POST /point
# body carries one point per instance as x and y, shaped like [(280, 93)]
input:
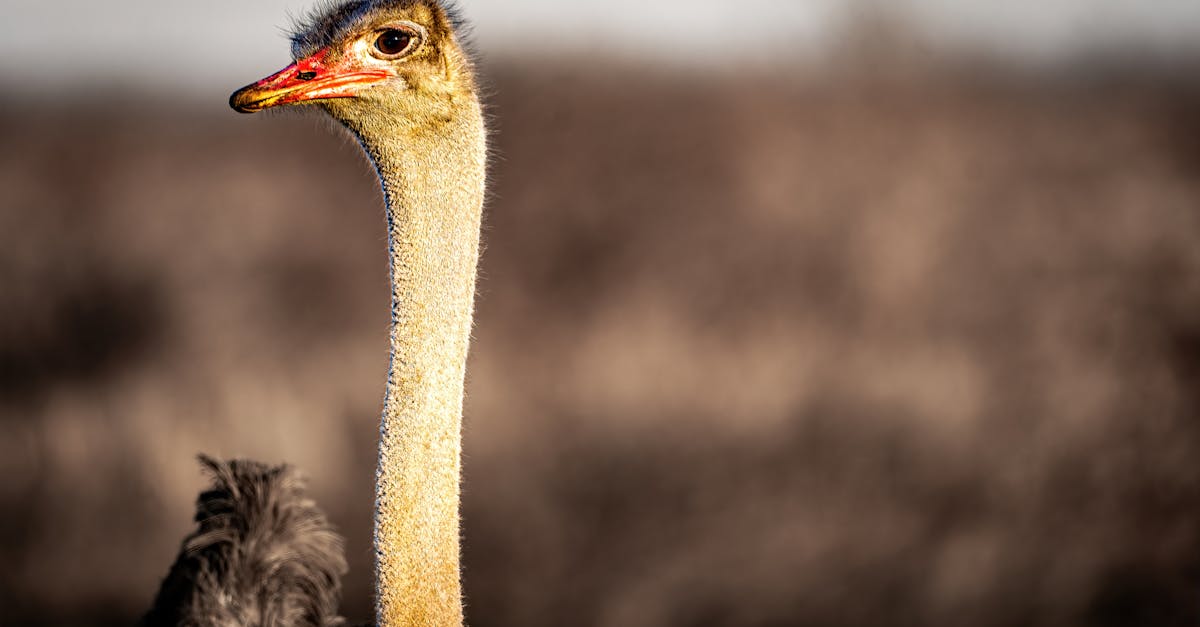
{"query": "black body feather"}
[(263, 555)]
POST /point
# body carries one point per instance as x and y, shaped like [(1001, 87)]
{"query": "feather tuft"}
[(263, 554), (332, 20)]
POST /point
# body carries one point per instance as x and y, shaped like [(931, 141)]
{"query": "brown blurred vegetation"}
[(750, 351)]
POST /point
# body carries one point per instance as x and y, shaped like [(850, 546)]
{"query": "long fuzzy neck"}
[(433, 180)]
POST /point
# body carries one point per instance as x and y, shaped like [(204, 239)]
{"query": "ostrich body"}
[(262, 554), (395, 73)]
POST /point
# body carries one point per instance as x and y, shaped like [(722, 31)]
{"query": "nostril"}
[(306, 76)]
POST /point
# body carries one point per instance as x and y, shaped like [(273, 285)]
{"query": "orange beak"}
[(309, 79)]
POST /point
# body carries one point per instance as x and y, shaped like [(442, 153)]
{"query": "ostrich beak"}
[(309, 79)]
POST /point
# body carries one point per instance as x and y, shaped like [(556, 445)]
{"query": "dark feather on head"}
[(333, 20)]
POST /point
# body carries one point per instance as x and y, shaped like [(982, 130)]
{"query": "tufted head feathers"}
[(334, 21)]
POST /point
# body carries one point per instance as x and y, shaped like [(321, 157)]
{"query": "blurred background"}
[(791, 313)]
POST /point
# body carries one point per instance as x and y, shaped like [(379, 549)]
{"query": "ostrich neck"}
[(433, 182)]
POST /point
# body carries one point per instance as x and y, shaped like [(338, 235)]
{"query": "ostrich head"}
[(387, 62)]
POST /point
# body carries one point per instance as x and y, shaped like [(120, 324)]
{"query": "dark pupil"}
[(393, 41)]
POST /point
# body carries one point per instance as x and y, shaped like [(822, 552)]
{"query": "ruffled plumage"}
[(263, 554)]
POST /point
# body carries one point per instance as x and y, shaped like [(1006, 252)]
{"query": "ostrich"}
[(397, 75), (263, 554)]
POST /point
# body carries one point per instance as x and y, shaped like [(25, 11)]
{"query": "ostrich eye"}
[(393, 41)]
